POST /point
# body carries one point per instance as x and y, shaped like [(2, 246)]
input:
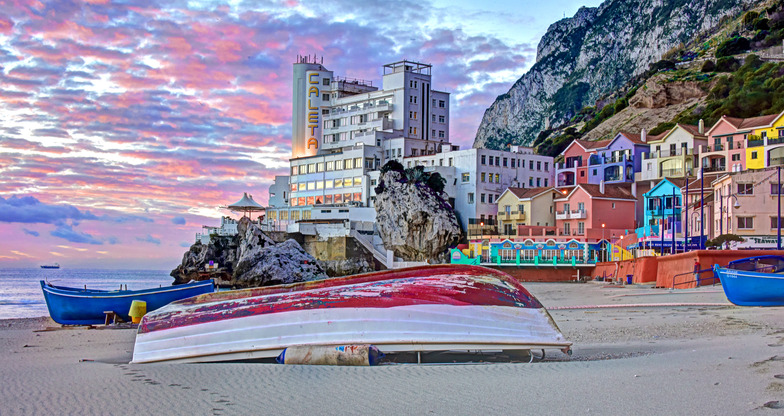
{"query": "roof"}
[(591, 144), (692, 129), (751, 122), (526, 193), (637, 138), (614, 191), (246, 204)]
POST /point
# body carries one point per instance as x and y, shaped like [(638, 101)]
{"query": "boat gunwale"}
[(108, 294)]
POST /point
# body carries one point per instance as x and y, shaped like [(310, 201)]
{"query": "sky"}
[(126, 125)]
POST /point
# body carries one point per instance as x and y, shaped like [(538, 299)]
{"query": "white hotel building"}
[(344, 130)]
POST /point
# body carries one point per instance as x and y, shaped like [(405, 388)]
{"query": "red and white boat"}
[(430, 308)]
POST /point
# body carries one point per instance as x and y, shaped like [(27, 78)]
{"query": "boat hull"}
[(749, 288), (73, 306), (422, 309)]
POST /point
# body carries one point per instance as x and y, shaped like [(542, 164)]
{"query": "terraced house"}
[(674, 154)]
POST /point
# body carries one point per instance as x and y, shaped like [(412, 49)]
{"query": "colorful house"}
[(573, 170), (619, 160), (767, 133), (673, 154), (732, 145), (746, 204), (549, 252), (698, 217), (596, 212), (663, 211), (525, 206)]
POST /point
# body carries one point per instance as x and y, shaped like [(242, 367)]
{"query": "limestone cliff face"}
[(249, 259), (595, 52), (413, 220)]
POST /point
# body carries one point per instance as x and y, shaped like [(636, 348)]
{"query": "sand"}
[(643, 360)]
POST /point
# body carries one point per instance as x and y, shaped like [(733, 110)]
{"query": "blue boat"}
[(753, 281), (73, 306)]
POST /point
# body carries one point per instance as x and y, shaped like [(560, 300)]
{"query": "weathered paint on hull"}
[(418, 309)]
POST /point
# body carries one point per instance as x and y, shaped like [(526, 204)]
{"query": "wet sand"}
[(710, 358)]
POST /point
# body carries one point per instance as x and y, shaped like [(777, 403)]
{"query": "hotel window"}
[(339, 164), (538, 165), (319, 184), (358, 163), (441, 134), (774, 188), (311, 186), (736, 157), (745, 189), (746, 223), (531, 182), (325, 97), (580, 228), (311, 168), (412, 115), (293, 187), (505, 162), (441, 103), (497, 178), (545, 182), (441, 119), (325, 81), (412, 99), (450, 161), (330, 166), (470, 197), (348, 164), (302, 186), (538, 182), (482, 176), (347, 182), (482, 198), (320, 167), (483, 160), (466, 177), (357, 181), (294, 170), (412, 84), (433, 118), (412, 130), (530, 165)]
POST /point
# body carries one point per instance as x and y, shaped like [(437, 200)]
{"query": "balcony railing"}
[(716, 168), (672, 172), (566, 182), (777, 140), (667, 153), (603, 160), (755, 143), (577, 214), (569, 165), (511, 216)]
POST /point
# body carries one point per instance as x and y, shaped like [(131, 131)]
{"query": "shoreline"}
[(627, 360)]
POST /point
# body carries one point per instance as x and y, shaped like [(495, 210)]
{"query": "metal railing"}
[(755, 143), (777, 140), (698, 279)]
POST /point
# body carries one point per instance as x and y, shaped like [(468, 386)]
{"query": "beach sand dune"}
[(643, 360)]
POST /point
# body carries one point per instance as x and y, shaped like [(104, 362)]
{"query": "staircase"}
[(367, 242)]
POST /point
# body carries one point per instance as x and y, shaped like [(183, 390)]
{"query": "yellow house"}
[(525, 206), (768, 134)]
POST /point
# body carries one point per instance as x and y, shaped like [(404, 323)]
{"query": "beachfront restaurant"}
[(529, 252)]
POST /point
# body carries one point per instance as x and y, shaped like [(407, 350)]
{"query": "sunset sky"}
[(125, 125)]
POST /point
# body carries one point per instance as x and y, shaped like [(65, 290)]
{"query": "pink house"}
[(592, 212), (574, 169), (727, 143)]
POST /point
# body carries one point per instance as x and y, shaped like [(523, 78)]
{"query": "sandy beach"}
[(708, 359)]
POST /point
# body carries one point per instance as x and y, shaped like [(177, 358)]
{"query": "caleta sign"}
[(314, 114)]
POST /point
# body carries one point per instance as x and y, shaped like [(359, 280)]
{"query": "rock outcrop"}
[(413, 220), (595, 52), (249, 259)]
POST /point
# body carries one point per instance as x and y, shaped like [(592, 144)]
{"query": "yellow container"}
[(138, 309)]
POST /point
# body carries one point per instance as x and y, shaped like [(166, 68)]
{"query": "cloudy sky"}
[(124, 125)]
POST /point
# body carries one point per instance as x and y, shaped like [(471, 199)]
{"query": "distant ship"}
[(50, 266)]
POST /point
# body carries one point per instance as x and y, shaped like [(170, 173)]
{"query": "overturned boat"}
[(430, 308)]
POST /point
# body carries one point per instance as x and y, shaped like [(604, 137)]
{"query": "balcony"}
[(670, 173), (777, 140), (667, 153), (569, 165), (714, 168), (755, 143), (577, 214), (511, 216)]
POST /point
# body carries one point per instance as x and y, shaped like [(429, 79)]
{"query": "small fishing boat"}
[(74, 306), (753, 281), (428, 308), (50, 266)]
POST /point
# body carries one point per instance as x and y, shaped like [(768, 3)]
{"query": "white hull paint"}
[(395, 329)]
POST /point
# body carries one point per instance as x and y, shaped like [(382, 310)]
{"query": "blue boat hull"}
[(72, 306), (749, 288)]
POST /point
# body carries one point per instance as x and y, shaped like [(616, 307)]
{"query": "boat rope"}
[(634, 305)]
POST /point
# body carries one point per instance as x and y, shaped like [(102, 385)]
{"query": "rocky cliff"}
[(249, 259), (413, 220), (595, 52)]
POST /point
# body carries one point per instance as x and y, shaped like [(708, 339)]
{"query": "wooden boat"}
[(429, 308), (753, 281), (73, 306), (50, 266)]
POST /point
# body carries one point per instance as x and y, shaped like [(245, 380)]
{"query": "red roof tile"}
[(524, 193), (590, 144), (615, 191)]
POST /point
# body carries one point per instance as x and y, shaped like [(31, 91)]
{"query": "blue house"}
[(662, 208), (619, 160)]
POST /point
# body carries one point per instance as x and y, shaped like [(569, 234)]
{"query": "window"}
[(497, 178), (348, 163), (582, 173), (545, 182), (538, 165), (320, 167), (531, 182), (774, 188), (412, 84), (441, 103), (521, 208), (441, 134), (482, 176), (294, 170), (546, 166), (311, 168), (483, 159), (613, 205), (433, 133), (745, 189), (470, 197), (746, 223), (466, 177), (753, 155), (736, 157), (325, 97), (581, 206), (482, 198), (580, 228), (567, 228), (505, 163), (433, 118), (450, 161), (530, 165), (773, 222), (442, 119), (538, 182), (412, 99), (412, 130), (412, 115)]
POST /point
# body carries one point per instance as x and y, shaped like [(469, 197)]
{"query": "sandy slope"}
[(694, 360)]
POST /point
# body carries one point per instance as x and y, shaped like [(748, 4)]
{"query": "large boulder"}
[(414, 220), (248, 259)]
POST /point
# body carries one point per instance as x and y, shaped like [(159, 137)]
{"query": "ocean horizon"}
[(21, 295)]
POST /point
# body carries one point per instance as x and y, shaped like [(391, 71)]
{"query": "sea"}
[(21, 295)]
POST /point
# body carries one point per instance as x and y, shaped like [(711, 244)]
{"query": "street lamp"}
[(604, 243), (722, 210)]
